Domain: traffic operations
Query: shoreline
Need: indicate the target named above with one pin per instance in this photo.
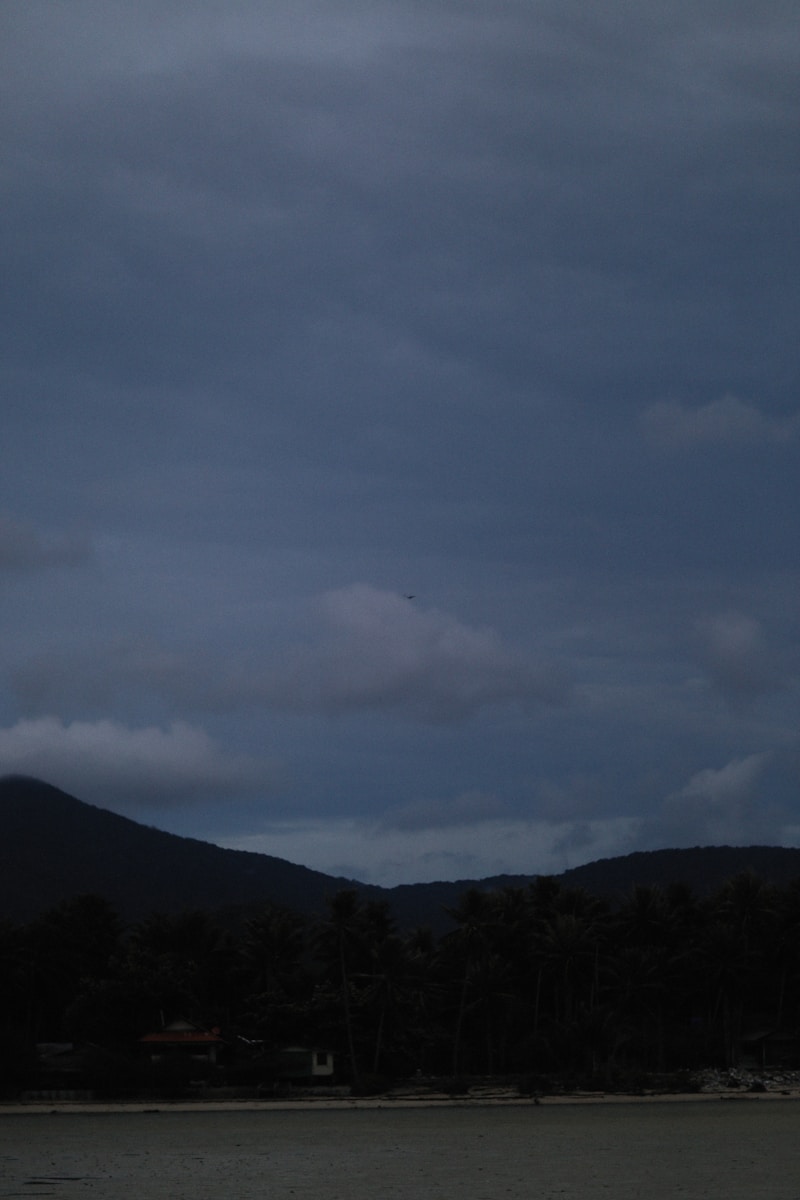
(388, 1103)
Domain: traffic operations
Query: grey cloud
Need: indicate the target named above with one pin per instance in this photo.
(735, 653)
(94, 679)
(302, 295)
(732, 784)
(728, 421)
(575, 797)
(469, 808)
(583, 840)
(728, 805)
(378, 650)
(246, 185)
(25, 548)
(356, 649)
(108, 763)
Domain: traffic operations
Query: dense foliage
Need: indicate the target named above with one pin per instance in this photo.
(536, 979)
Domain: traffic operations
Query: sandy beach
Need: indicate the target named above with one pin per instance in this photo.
(579, 1147)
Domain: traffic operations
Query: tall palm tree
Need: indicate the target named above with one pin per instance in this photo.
(786, 953)
(339, 938)
(186, 960)
(469, 943)
(740, 935)
(272, 974)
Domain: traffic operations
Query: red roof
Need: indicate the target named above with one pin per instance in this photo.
(181, 1035)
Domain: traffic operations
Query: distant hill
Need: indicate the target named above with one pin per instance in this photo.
(55, 846)
(703, 868)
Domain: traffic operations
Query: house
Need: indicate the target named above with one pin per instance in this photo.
(185, 1041)
(300, 1062)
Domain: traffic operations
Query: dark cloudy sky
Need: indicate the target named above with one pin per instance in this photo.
(309, 305)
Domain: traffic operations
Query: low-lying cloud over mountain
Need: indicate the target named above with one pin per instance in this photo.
(115, 766)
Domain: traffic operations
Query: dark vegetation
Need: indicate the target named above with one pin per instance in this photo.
(530, 979)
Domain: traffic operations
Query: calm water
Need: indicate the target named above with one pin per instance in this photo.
(717, 1149)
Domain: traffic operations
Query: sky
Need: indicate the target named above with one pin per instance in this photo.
(400, 424)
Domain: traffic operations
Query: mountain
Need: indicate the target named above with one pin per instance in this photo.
(55, 846)
(703, 868)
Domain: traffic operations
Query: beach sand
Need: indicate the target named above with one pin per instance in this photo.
(365, 1149)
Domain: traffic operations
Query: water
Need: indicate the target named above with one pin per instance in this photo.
(621, 1151)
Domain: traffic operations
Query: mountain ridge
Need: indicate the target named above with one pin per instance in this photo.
(69, 846)
(56, 846)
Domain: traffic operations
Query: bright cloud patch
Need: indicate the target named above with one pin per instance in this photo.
(105, 761)
(375, 649)
(357, 849)
(730, 784)
(719, 806)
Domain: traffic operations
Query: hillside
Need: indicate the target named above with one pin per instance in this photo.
(55, 846)
(703, 868)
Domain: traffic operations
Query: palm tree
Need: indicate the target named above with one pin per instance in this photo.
(185, 960)
(786, 952)
(272, 974)
(340, 938)
(470, 943)
(67, 947)
(740, 934)
(424, 990)
(271, 949)
(385, 974)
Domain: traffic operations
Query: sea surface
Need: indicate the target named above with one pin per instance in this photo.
(728, 1149)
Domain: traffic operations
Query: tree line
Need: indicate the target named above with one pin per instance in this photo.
(533, 980)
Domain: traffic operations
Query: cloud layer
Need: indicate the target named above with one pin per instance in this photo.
(724, 422)
(108, 764)
(492, 305)
(25, 548)
(379, 650)
(729, 805)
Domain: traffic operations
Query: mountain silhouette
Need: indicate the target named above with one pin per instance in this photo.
(55, 846)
